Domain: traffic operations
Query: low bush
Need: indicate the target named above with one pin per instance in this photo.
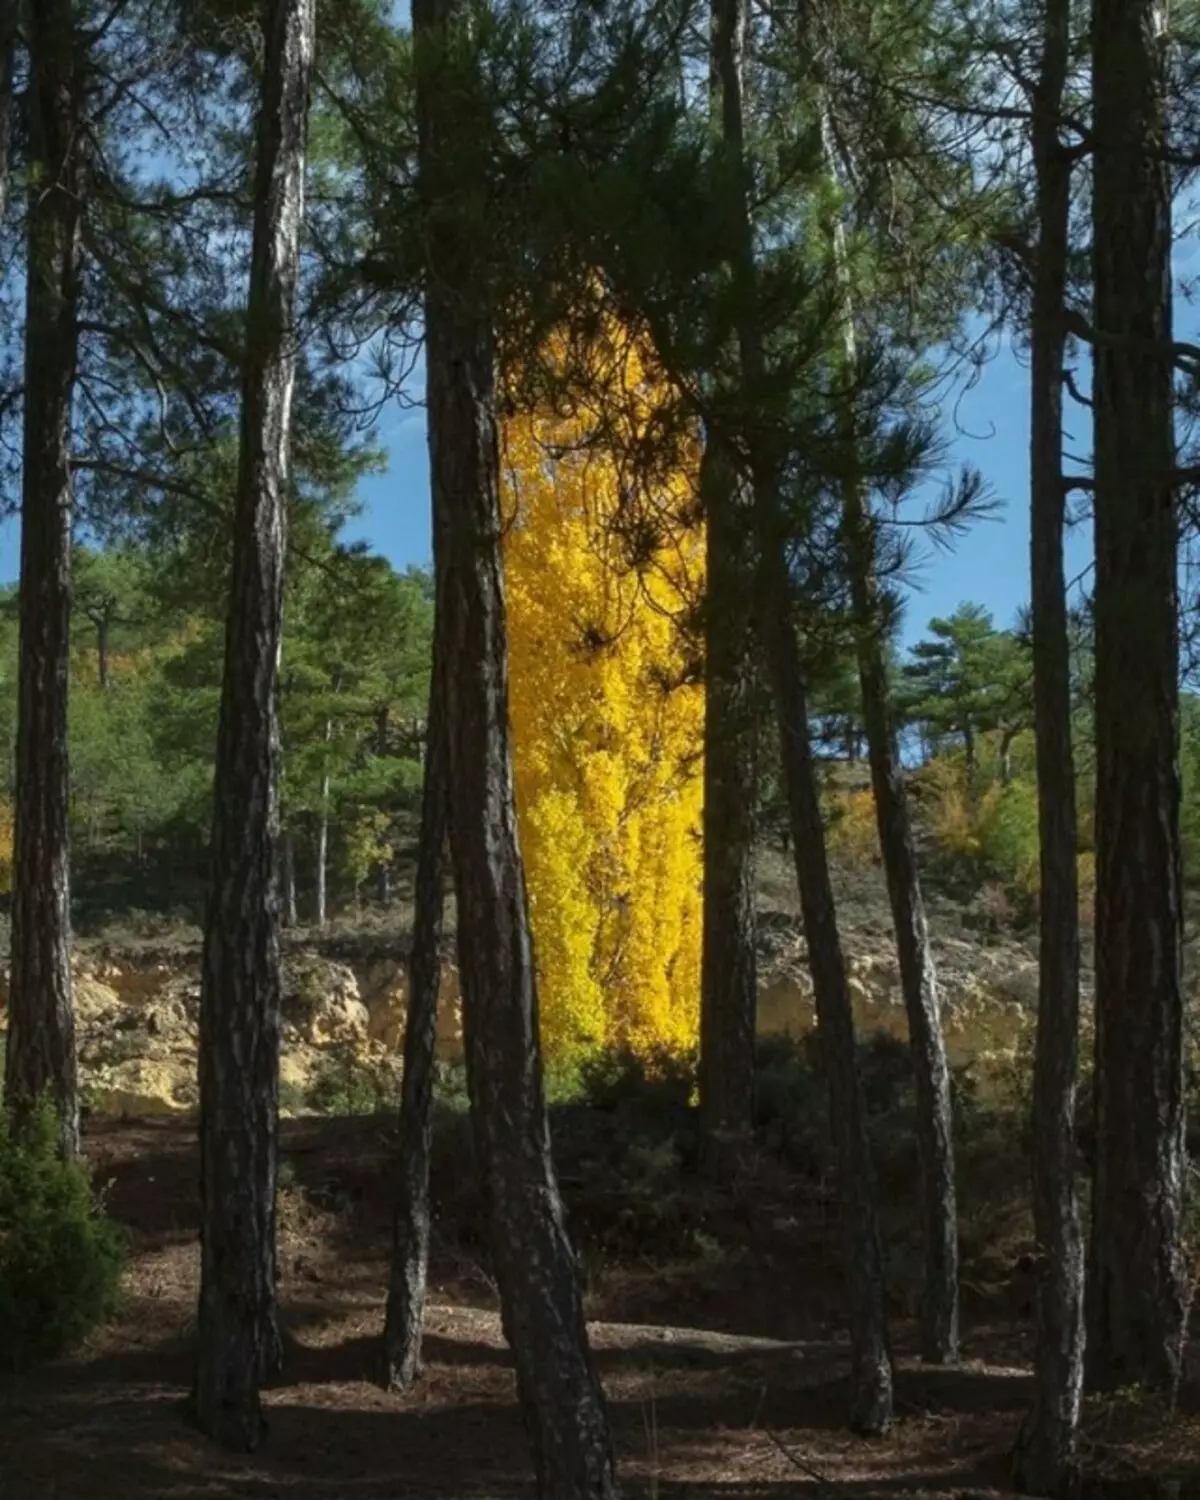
(344, 1084)
(60, 1257)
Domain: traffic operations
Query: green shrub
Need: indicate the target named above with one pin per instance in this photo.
(60, 1258)
(658, 1087)
(344, 1084)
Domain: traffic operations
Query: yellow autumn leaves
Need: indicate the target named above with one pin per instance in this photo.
(607, 730)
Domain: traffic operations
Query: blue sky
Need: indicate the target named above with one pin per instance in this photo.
(987, 426)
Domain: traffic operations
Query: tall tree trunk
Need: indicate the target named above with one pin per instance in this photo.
(41, 1018)
(322, 857)
(1135, 1299)
(1046, 1447)
(535, 1266)
(872, 1365)
(410, 1246)
(291, 917)
(918, 973)
(237, 1333)
(918, 980)
(872, 1374)
(729, 977)
(102, 633)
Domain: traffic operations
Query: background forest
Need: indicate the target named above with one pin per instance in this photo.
(608, 1013)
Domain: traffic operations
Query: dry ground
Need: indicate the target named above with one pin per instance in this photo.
(752, 1406)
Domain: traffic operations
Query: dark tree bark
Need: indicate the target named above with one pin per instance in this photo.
(410, 1246)
(918, 974)
(1046, 1447)
(872, 1362)
(1135, 1298)
(238, 1339)
(41, 1020)
(535, 1266)
(918, 980)
(729, 976)
(287, 843)
(872, 1366)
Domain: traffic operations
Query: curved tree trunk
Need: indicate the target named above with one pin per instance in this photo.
(237, 1334)
(872, 1363)
(1046, 1448)
(918, 974)
(918, 980)
(535, 1266)
(1135, 1295)
(872, 1366)
(40, 1058)
(410, 1245)
(729, 977)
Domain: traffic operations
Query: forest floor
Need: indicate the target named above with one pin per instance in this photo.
(714, 1318)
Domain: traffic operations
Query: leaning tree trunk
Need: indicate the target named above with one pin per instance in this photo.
(729, 978)
(535, 1266)
(237, 1333)
(872, 1376)
(287, 845)
(918, 974)
(1135, 1296)
(40, 1057)
(872, 1365)
(1046, 1447)
(410, 1245)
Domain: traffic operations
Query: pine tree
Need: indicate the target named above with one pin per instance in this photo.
(542, 1310)
(40, 1054)
(238, 1338)
(1135, 1283)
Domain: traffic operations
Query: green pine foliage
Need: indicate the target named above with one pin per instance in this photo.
(60, 1257)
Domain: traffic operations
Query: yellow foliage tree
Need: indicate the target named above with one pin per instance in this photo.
(607, 732)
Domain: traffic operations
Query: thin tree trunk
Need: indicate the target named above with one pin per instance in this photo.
(410, 1246)
(237, 1333)
(535, 1266)
(872, 1367)
(872, 1364)
(1046, 1447)
(291, 916)
(729, 977)
(1135, 1298)
(102, 633)
(918, 974)
(918, 981)
(41, 1018)
(322, 870)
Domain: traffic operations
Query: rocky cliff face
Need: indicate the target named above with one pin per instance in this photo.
(138, 1025)
(138, 1015)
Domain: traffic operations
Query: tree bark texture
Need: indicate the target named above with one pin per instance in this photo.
(287, 844)
(1135, 1298)
(40, 1057)
(918, 980)
(871, 1355)
(914, 953)
(872, 1366)
(535, 1266)
(729, 976)
(1045, 1454)
(238, 1340)
(321, 874)
(410, 1246)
